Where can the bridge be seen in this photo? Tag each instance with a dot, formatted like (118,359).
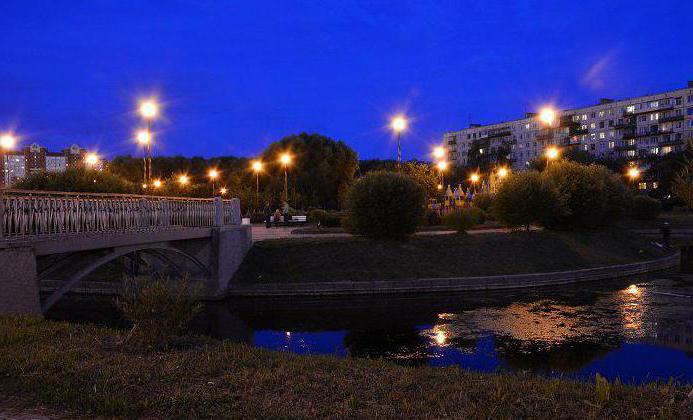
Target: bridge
(52,241)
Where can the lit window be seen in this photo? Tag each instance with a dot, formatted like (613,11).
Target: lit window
(602,135)
(583,117)
(665,150)
(593,125)
(654,150)
(642,185)
(654,117)
(655,185)
(630,108)
(601,114)
(612,144)
(631,153)
(654,104)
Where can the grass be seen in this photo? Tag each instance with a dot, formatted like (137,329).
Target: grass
(679,219)
(451,255)
(68,368)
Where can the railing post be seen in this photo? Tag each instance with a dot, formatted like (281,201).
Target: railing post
(218,212)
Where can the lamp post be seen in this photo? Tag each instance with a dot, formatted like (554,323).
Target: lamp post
(399,124)
(213,174)
(91,160)
(438,152)
(144,139)
(148,110)
(633,174)
(551,153)
(442,166)
(474,178)
(257,168)
(285,160)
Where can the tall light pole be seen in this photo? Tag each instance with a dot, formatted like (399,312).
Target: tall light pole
(474,178)
(285,160)
(442,166)
(148,110)
(399,124)
(213,174)
(144,138)
(257,168)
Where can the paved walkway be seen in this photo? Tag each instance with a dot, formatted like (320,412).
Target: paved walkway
(261,233)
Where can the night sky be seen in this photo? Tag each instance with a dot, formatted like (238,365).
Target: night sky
(233,76)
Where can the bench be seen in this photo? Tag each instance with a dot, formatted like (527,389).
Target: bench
(295,220)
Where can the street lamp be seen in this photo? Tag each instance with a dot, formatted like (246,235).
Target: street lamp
(399,124)
(474,178)
(149,109)
(7,142)
(144,138)
(257,168)
(223,190)
(183,180)
(91,159)
(633,173)
(547,116)
(502,172)
(439,152)
(157,183)
(213,174)
(285,160)
(551,153)
(442,166)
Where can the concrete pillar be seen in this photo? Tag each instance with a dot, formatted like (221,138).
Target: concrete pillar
(19,288)
(229,246)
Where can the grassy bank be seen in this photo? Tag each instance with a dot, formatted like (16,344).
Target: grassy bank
(66,367)
(356,259)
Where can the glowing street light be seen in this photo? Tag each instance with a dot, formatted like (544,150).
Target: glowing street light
(223,190)
(143,137)
(257,168)
(442,166)
(439,152)
(7,142)
(474,178)
(502,172)
(148,109)
(91,159)
(285,160)
(633,173)
(398,125)
(547,116)
(157,183)
(183,179)
(551,153)
(213,174)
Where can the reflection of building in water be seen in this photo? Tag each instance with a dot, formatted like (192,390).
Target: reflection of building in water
(676,335)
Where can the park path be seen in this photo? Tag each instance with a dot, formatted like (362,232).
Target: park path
(261,233)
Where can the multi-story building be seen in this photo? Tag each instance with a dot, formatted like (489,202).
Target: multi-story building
(15,165)
(634,129)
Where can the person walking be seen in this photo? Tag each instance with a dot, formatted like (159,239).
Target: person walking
(268,216)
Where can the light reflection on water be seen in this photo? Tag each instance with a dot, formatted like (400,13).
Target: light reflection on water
(637,330)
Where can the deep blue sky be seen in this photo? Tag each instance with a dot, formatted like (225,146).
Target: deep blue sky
(234,76)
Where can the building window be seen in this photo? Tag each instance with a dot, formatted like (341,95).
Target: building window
(630,108)
(654,150)
(665,150)
(654,117)
(601,114)
(655,185)
(631,153)
(602,135)
(612,144)
(642,185)
(654,104)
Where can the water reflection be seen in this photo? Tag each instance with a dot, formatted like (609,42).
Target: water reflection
(636,330)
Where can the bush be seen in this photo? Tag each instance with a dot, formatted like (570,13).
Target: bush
(527,197)
(484,201)
(463,219)
(333,219)
(159,308)
(317,216)
(594,195)
(385,205)
(257,217)
(431,218)
(643,207)
(77,180)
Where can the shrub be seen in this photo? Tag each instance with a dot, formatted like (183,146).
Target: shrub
(77,180)
(484,201)
(257,217)
(385,205)
(643,207)
(317,216)
(334,219)
(594,195)
(463,219)
(527,197)
(431,218)
(159,308)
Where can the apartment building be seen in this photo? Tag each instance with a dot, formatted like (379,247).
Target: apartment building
(634,129)
(17,164)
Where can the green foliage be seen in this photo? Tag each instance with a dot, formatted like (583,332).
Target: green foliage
(527,197)
(594,195)
(431,218)
(463,219)
(317,216)
(602,389)
(483,200)
(159,308)
(334,219)
(321,172)
(77,180)
(385,205)
(643,207)
(682,184)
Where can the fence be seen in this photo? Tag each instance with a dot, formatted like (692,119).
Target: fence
(34,213)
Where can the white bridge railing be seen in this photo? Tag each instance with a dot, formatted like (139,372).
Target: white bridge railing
(38,213)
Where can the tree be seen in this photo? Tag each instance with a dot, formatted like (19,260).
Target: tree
(682,184)
(385,205)
(77,180)
(320,174)
(527,197)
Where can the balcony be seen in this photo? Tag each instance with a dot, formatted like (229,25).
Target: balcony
(500,133)
(671,118)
